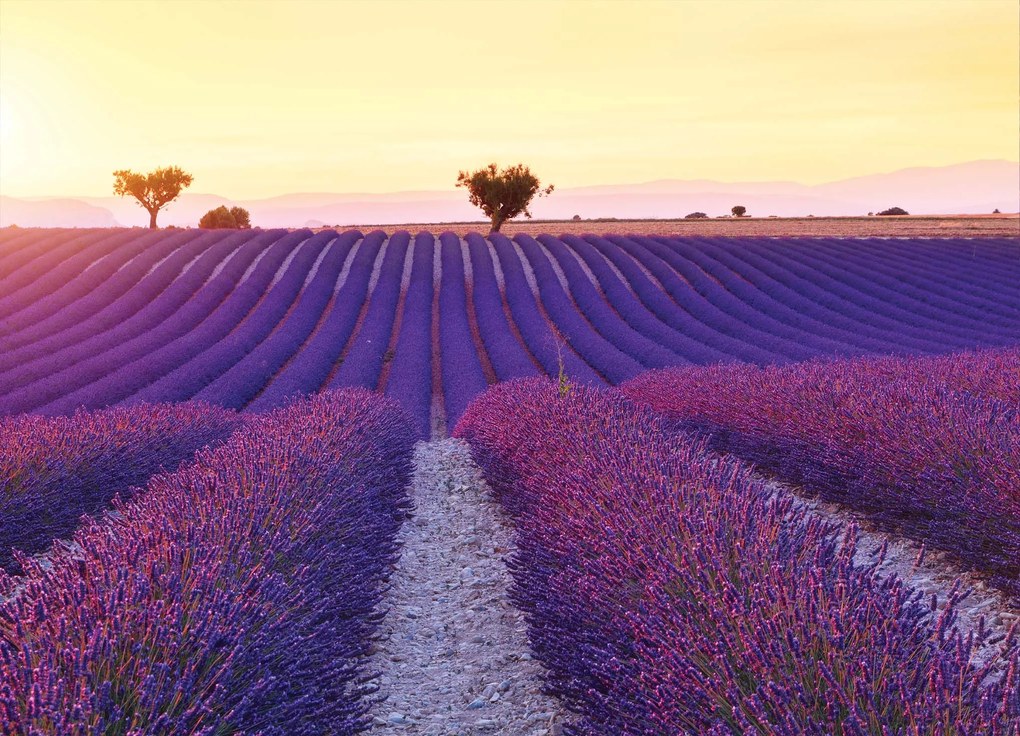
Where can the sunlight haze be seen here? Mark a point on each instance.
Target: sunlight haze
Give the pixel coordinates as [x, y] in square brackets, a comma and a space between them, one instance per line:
[262, 98]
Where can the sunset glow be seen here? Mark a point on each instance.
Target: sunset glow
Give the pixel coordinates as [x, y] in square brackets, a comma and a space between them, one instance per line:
[262, 98]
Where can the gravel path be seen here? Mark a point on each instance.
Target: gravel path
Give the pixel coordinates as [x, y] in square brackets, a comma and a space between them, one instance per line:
[452, 651]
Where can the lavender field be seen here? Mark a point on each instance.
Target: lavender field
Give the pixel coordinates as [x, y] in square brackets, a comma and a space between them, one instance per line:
[207, 442]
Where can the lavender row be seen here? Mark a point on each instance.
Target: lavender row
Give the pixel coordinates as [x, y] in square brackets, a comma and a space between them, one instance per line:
[461, 366]
[958, 290]
[596, 351]
[643, 303]
[546, 346]
[929, 447]
[53, 267]
[668, 591]
[235, 595]
[99, 287]
[600, 314]
[36, 382]
[766, 286]
[70, 282]
[240, 383]
[676, 301]
[207, 321]
[312, 366]
[120, 312]
[54, 470]
[886, 296]
[364, 361]
[188, 379]
[834, 301]
[410, 377]
[507, 354]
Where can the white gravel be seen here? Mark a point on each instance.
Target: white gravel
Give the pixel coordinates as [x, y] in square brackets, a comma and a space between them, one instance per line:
[452, 651]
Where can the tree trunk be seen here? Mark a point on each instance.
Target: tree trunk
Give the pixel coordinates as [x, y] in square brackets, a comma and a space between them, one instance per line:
[497, 222]
[152, 219]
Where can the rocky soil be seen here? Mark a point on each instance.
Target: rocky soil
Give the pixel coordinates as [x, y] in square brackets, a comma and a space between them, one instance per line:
[452, 652]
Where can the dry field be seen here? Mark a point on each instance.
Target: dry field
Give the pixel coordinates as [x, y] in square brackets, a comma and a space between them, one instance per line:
[930, 226]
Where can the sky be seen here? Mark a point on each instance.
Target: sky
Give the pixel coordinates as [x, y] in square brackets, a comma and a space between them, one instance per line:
[257, 99]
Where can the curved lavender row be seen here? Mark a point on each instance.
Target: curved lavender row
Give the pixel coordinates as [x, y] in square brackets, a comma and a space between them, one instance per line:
[139, 315]
[54, 470]
[191, 377]
[312, 365]
[461, 367]
[700, 319]
[507, 355]
[243, 381]
[98, 288]
[946, 303]
[932, 266]
[602, 316]
[14, 242]
[839, 301]
[776, 316]
[235, 595]
[410, 378]
[207, 322]
[364, 361]
[540, 340]
[624, 302]
[145, 290]
[47, 274]
[734, 316]
[31, 244]
[647, 308]
[596, 350]
[668, 592]
[889, 437]
[796, 305]
[23, 267]
[81, 292]
[879, 295]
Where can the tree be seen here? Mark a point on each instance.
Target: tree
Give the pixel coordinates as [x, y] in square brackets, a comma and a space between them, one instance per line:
[221, 219]
[894, 211]
[502, 195]
[739, 211]
[696, 216]
[154, 190]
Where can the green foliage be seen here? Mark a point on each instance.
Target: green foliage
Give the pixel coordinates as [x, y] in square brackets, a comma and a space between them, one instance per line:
[502, 195]
[696, 216]
[739, 211]
[222, 219]
[154, 190]
[894, 211]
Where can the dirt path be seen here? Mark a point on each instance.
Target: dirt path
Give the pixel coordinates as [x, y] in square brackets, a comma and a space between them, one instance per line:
[452, 650]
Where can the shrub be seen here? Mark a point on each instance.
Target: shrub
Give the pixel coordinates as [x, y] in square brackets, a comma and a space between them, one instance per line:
[894, 211]
[236, 218]
[577, 218]
[696, 216]
[739, 211]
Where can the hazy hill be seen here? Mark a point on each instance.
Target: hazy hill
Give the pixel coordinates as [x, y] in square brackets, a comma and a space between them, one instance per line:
[977, 187]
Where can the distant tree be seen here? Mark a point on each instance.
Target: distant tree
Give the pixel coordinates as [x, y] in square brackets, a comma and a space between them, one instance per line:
[894, 211]
[739, 211]
[223, 219]
[576, 218]
[154, 190]
[696, 216]
[241, 217]
[871, 214]
[502, 195]
[996, 211]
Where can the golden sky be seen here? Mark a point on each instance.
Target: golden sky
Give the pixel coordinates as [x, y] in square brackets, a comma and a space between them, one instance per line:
[264, 98]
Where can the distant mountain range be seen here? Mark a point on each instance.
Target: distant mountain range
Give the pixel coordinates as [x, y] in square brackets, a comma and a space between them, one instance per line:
[977, 187]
